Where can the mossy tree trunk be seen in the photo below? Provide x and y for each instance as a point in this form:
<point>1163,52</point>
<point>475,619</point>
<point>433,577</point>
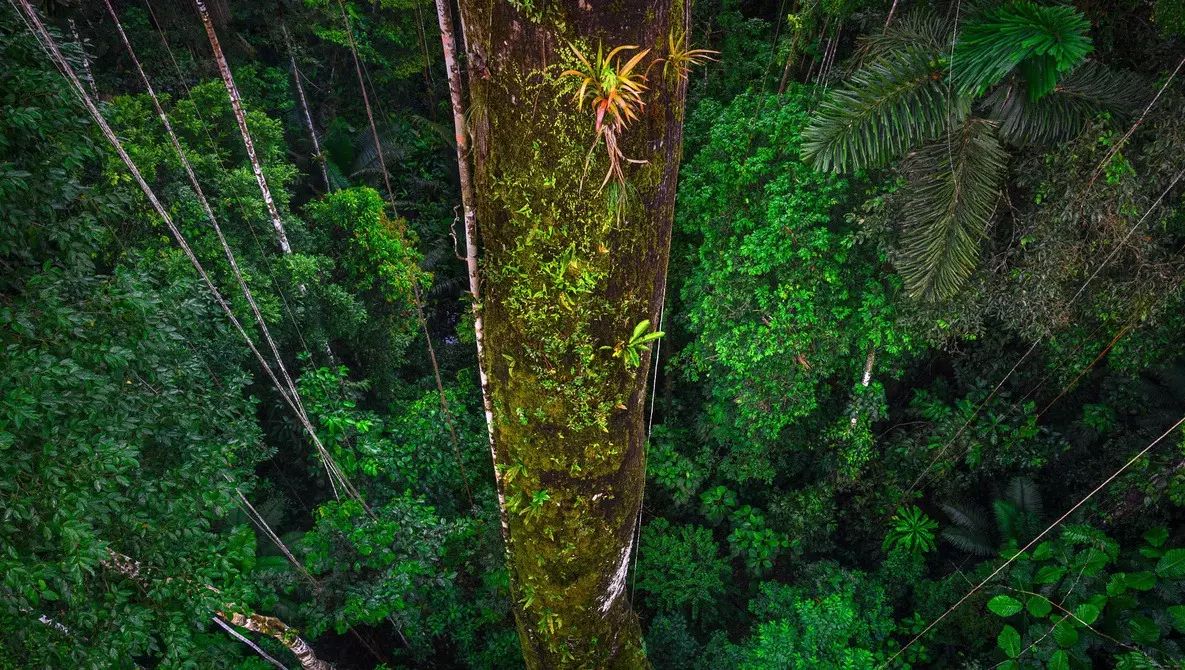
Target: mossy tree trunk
<point>569,270</point>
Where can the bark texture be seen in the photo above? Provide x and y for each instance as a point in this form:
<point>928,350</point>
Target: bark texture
<point>570,271</point>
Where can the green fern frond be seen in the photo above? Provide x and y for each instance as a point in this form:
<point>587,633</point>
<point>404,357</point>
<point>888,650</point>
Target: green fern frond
<point>920,29</point>
<point>1044,41</point>
<point>954,184</point>
<point>890,106</point>
<point>1061,115</point>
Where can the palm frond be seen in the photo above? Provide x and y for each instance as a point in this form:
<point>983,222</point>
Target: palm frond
<point>1043,40</point>
<point>890,106</point>
<point>366,153</point>
<point>954,184</point>
<point>1022,492</point>
<point>971,517</point>
<point>1061,115</point>
<point>1007,518</point>
<point>970,541</point>
<point>337,178</point>
<point>919,29</point>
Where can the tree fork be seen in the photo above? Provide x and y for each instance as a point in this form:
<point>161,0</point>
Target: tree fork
<point>570,272</point>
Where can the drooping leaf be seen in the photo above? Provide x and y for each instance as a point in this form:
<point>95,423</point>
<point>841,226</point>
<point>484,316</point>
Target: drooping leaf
<point>1061,114</point>
<point>951,196</point>
<point>888,107</point>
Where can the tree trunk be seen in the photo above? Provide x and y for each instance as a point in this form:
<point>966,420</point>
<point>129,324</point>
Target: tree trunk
<point>241,118</point>
<point>570,270</point>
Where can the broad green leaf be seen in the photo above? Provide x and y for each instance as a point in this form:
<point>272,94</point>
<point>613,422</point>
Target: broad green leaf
<point>1004,605</point>
<point>1086,613</point>
<point>1060,660</point>
<point>1049,574</point>
<point>1064,633</point>
<point>1156,536</point>
<point>1143,630</point>
<point>1038,606</point>
<point>640,328</point>
<point>1043,552</point>
<point>1172,564</point>
<point>1140,581</point>
<point>1117,585</point>
<point>1009,641</point>
<point>1177,616</point>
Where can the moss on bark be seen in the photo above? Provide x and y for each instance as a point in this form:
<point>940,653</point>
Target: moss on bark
<point>570,269</point>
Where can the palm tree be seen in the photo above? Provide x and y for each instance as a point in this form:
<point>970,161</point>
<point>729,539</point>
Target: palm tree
<point>1015,75</point>
<point>1017,517</point>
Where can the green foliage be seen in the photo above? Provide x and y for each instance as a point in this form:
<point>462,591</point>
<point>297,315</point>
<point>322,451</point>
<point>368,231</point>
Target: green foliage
<point>780,297</point>
<point>680,567</point>
<point>1042,42</point>
<point>116,433</point>
<point>951,198</point>
<point>891,105</point>
<point>912,530</point>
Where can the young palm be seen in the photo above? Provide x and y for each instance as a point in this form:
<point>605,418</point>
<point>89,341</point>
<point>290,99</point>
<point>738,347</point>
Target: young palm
<point>1015,75</point>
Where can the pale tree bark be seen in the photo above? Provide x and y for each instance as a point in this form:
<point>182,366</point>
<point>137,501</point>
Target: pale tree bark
<point>570,271</point>
<point>318,155</point>
<point>866,379</point>
<point>88,76</point>
<point>266,625</point>
<point>444,14</point>
<point>257,623</point>
<point>241,118</point>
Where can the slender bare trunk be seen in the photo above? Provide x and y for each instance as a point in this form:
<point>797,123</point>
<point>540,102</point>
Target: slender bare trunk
<point>201,196</point>
<point>318,155</point>
<point>241,118</point>
<point>88,76</point>
<point>444,13</point>
<point>239,636</point>
<point>866,379</point>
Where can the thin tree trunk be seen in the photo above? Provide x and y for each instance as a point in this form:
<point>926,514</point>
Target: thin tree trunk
<point>266,625</point>
<point>318,155</point>
<point>468,202</point>
<point>241,118</point>
<point>239,636</point>
<point>88,76</point>
<point>570,272</point>
<point>866,379</point>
